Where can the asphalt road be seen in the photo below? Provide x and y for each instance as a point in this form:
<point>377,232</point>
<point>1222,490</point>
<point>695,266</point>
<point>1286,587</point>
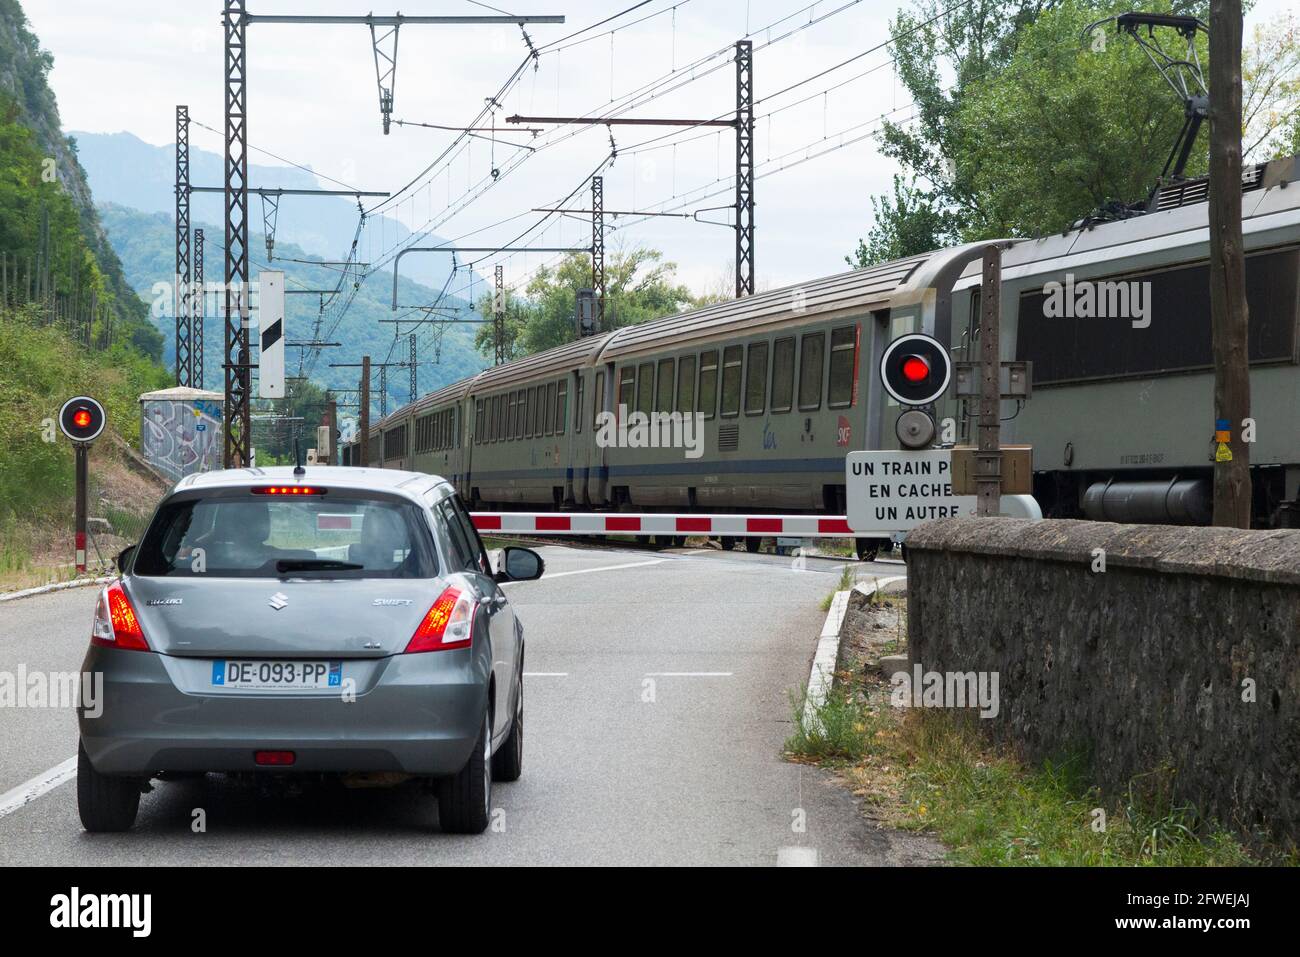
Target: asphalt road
<point>657,699</point>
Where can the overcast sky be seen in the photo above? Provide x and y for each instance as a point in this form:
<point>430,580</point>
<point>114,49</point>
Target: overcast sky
<point>313,100</point>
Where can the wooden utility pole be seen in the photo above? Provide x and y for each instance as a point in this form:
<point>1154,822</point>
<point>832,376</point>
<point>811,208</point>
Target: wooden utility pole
<point>988,455</point>
<point>1228,312</point>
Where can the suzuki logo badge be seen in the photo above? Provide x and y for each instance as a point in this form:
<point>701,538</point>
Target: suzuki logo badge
<point>278,600</point>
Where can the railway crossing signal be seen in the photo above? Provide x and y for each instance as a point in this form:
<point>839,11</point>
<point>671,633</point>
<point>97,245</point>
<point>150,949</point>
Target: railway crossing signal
<point>915,369</point>
<point>81,419</point>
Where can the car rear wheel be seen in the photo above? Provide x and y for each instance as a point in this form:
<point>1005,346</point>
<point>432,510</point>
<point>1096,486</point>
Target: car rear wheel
<point>105,803</point>
<point>465,799</point>
<point>508,762</point>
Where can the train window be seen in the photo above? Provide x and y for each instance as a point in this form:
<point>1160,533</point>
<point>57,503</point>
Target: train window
<point>756,379</point>
<point>664,387</point>
<point>708,383</point>
<point>530,412</point>
<point>844,352</point>
<point>453,415</point>
<point>732,364</point>
<point>478,421</point>
<point>539,411</point>
<point>1068,349</point>
<point>577,405</point>
<point>561,405</point>
<point>645,381</point>
<point>598,400</point>
<point>813,351</point>
<point>686,385</point>
<point>498,420</point>
<point>552,395</point>
<point>782,375</point>
<point>627,387</point>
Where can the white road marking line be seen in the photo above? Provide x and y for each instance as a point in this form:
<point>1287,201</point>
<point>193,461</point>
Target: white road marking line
<point>603,568</point>
<point>796,857</point>
<point>688,674</point>
<point>699,551</point>
<point>546,674</point>
<point>29,791</point>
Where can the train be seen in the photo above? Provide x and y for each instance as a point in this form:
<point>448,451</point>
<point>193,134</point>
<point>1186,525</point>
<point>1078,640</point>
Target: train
<point>782,384</point>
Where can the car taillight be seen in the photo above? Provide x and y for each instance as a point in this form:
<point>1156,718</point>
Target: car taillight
<point>116,624</point>
<point>448,624</point>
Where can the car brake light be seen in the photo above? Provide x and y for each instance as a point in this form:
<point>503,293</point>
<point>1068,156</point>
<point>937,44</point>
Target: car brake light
<point>448,624</point>
<point>287,490</point>
<point>116,624</point>
<point>274,759</point>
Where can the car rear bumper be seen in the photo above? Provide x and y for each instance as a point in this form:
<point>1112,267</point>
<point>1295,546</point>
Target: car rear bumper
<point>420,715</point>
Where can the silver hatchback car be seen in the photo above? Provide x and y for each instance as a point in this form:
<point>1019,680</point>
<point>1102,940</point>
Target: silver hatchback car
<point>338,621</point>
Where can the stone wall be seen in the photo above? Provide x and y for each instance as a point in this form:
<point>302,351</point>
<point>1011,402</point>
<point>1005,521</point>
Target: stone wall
<point>1148,665</point>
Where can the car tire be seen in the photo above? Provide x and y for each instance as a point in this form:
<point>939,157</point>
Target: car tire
<point>106,803</point>
<point>465,798</point>
<point>508,762</point>
<point>866,548</point>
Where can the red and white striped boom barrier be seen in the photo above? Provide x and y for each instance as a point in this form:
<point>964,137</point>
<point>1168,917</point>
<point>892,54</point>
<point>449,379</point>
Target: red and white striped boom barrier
<point>659,523</point>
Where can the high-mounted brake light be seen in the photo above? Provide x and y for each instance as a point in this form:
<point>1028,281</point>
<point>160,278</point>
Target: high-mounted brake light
<point>116,624</point>
<point>288,490</point>
<point>448,624</point>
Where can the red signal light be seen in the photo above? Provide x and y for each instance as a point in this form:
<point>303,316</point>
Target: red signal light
<point>81,418</point>
<point>915,369</point>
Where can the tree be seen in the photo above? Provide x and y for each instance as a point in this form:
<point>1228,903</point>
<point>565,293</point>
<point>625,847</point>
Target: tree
<point>1024,126</point>
<point>639,286</point>
<point>931,202</point>
<point>909,223</point>
<point>1069,124</point>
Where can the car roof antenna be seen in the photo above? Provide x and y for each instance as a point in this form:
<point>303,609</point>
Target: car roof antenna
<point>297,458</point>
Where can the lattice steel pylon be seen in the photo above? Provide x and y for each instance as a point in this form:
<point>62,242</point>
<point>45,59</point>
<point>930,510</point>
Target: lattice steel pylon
<point>598,247</point>
<point>238,425</point>
<point>181,280</point>
<point>415,382</point>
<point>744,168</point>
<point>499,317</point>
<point>385,70</point>
<point>198,304</point>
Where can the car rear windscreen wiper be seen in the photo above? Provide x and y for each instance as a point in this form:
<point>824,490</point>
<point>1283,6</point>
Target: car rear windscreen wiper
<point>314,564</point>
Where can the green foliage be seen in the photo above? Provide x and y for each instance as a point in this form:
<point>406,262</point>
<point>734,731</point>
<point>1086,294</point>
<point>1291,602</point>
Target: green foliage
<point>1066,126</point>
<point>1024,126</point>
<point>639,286</point>
<point>40,368</point>
<point>274,440</point>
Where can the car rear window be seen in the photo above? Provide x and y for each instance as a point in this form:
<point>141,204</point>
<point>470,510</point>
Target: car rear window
<point>264,536</point>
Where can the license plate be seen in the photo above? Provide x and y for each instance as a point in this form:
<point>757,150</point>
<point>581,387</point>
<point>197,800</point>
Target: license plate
<point>264,675</point>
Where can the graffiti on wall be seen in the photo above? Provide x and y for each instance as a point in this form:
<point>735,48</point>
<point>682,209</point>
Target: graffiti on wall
<point>181,437</point>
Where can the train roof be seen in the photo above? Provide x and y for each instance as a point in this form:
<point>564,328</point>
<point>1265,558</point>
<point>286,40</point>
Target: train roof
<point>1181,219</point>
<point>845,292</point>
<point>553,361</point>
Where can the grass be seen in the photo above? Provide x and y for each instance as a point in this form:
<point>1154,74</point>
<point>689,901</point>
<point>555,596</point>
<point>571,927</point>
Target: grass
<point>932,770</point>
<point>848,579</point>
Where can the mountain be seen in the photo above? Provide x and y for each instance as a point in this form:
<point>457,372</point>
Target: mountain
<point>46,179</point>
<point>146,244</point>
<point>125,170</point>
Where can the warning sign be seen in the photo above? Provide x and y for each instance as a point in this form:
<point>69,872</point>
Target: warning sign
<point>896,491</point>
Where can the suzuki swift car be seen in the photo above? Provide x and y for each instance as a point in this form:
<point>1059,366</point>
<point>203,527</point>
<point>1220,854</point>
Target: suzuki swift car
<point>326,621</point>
